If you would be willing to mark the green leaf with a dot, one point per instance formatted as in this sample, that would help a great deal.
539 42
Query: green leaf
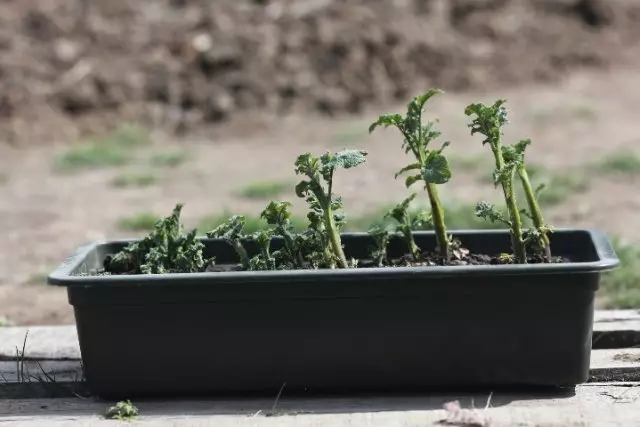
414 166
412 180
387 120
345 159
436 169
487 211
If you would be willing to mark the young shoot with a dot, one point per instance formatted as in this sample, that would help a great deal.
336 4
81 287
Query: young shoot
381 238
165 250
317 189
431 166
231 231
540 234
488 122
407 223
265 260
279 214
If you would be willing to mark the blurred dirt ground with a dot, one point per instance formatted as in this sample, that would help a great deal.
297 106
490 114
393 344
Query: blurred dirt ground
238 90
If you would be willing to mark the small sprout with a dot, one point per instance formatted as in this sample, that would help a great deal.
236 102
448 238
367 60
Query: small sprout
488 212
407 223
165 250
488 122
325 221
515 154
279 214
431 166
264 260
231 231
381 237
122 411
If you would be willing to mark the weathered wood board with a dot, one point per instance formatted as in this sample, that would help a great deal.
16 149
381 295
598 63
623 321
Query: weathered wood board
610 398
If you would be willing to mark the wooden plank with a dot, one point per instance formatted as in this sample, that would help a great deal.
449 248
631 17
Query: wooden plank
612 329
42 342
616 329
64 378
617 405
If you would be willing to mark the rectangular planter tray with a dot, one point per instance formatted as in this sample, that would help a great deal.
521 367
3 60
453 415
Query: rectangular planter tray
370 329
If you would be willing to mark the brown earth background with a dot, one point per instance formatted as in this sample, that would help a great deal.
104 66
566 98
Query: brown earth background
242 87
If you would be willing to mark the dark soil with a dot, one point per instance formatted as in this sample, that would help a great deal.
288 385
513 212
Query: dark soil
74 66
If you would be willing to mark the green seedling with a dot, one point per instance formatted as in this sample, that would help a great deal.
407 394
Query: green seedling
324 216
488 122
265 260
407 223
123 411
381 238
539 236
167 249
431 166
279 215
231 231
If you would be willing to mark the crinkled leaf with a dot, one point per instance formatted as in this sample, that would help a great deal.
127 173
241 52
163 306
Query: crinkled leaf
387 120
413 166
345 159
436 169
488 211
412 180
231 229
488 120
277 213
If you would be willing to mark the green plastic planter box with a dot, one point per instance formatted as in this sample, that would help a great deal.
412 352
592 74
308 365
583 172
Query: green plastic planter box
369 329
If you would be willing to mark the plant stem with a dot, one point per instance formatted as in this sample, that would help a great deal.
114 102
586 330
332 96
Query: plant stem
517 243
334 237
242 253
437 215
296 258
534 208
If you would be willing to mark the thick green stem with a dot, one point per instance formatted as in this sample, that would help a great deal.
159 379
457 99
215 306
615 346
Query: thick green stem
242 253
534 208
437 215
517 242
516 222
334 236
414 249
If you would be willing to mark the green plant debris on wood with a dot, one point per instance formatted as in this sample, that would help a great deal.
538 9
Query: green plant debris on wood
123 411
264 189
5 321
134 179
142 221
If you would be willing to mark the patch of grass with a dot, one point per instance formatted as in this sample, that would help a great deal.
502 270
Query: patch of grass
469 163
143 221
560 187
622 162
621 287
348 136
134 179
264 189
114 150
5 321
584 112
169 159
38 278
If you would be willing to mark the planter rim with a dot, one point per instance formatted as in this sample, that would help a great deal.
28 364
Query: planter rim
607 260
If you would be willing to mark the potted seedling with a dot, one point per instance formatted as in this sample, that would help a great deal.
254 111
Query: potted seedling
396 308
